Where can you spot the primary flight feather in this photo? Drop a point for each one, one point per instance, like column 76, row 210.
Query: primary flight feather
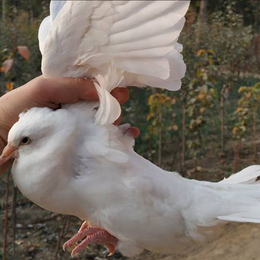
column 127, row 43
column 74, row 161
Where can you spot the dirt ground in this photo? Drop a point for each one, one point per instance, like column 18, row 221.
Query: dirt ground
column 237, row 242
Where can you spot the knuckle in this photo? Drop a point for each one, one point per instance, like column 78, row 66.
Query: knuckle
column 79, row 82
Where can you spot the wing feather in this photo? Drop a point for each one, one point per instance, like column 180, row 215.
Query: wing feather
column 136, row 38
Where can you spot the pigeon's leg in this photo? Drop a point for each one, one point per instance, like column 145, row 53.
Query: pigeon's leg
column 100, row 237
column 83, row 226
column 79, row 236
column 89, row 235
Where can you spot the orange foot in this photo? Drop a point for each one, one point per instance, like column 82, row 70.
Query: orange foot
column 89, row 235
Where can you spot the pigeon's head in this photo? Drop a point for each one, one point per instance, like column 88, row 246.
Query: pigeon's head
column 29, row 132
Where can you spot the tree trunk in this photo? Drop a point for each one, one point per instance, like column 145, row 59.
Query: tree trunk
column 160, row 139
column 222, row 119
column 14, row 216
column 202, row 19
column 61, row 235
column 3, row 10
column 149, row 150
column 254, row 133
column 183, row 136
column 238, row 147
column 6, row 216
column 203, row 11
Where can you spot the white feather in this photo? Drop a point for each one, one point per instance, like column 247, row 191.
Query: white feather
column 55, row 8
column 139, row 38
column 247, row 175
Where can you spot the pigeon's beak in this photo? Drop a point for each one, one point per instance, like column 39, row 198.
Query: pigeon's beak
column 8, row 153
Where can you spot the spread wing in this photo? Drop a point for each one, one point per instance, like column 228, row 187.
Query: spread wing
column 137, row 40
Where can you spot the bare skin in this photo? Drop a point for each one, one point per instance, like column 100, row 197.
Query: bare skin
column 41, row 92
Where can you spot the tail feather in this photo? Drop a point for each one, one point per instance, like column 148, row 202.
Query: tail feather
column 249, row 213
column 252, row 216
column 248, row 175
column 235, row 199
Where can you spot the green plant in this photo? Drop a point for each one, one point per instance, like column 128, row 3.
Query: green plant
column 248, row 105
column 160, row 104
column 200, row 97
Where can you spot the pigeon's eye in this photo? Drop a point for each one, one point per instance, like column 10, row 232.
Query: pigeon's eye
column 25, row 140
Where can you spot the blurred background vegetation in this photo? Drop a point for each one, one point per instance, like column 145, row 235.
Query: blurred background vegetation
column 206, row 130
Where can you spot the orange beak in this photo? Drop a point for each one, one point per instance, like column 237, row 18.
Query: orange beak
column 8, row 153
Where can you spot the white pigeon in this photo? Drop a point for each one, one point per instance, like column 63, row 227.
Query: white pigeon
column 74, row 161
column 67, row 163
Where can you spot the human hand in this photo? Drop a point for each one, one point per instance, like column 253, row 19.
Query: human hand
column 41, row 92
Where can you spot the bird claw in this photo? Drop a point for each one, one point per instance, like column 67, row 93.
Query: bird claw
column 88, row 235
column 83, row 226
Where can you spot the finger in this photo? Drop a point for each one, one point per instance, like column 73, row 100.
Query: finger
column 133, row 131
column 71, row 90
column 118, row 121
column 121, row 94
column 66, row 90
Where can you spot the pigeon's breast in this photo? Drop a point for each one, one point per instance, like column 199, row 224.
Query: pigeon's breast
column 32, row 179
column 41, row 181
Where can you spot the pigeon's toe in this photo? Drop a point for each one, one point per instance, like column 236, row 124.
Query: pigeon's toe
column 89, row 235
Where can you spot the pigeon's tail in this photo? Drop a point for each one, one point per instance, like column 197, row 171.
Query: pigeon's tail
column 248, row 175
column 245, row 188
column 235, row 199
